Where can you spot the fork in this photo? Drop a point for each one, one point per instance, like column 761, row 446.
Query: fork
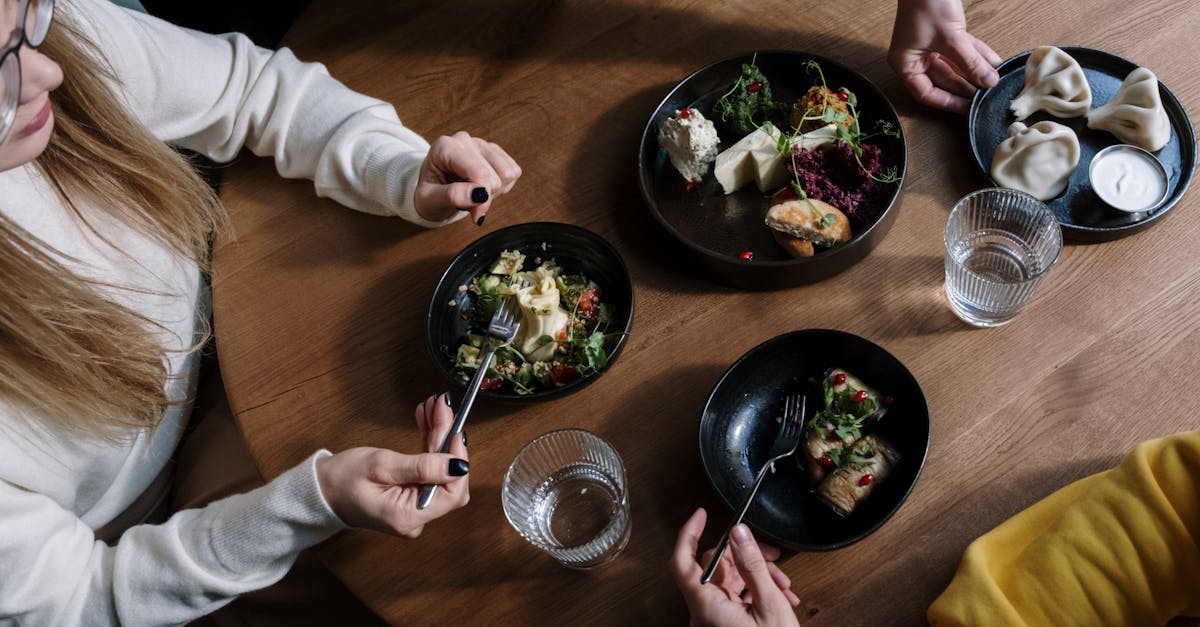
column 786, row 442
column 500, row 330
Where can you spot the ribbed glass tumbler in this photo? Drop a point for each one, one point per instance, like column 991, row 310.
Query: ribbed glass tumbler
column 566, row 493
column 999, row 245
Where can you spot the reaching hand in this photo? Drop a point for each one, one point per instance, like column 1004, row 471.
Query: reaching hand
column 463, row 173
column 747, row 587
column 941, row 63
column 377, row 489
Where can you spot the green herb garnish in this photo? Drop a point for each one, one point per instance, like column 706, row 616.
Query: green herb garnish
column 748, row 103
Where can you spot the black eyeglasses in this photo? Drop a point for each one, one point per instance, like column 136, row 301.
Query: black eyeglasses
column 32, row 22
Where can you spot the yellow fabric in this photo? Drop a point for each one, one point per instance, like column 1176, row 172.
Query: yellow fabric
column 1116, row 548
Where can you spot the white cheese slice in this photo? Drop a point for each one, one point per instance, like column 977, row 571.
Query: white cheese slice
column 770, row 165
column 735, row 167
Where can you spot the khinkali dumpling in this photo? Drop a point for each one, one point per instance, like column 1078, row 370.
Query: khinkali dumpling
column 1135, row 114
column 1037, row 159
column 1054, row 83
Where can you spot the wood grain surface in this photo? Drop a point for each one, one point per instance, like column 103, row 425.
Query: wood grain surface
column 320, row 311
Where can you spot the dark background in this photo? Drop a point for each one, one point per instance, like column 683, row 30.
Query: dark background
column 264, row 21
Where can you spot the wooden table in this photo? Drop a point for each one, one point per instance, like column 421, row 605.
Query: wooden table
column 320, row 311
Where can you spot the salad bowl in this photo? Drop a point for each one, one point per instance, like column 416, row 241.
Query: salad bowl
column 576, row 249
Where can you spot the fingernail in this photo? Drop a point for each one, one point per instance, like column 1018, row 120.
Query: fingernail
column 479, row 222
column 459, row 467
column 464, row 437
column 479, row 195
column 446, row 397
column 741, row 535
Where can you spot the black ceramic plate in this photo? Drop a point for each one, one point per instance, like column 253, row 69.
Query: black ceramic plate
column 714, row 229
column 575, row 249
column 739, row 424
column 1083, row 216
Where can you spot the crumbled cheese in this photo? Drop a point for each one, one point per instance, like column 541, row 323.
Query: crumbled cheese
column 453, row 303
column 690, row 142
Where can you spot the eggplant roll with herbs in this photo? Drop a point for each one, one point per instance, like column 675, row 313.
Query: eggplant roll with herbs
column 869, row 462
column 849, row 407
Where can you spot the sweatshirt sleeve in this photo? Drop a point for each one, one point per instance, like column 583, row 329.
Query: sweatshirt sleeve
column 215, row 94
column 1116, row 548
column 167, row 574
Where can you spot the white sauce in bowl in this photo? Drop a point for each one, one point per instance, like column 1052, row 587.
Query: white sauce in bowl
column 1128, row 178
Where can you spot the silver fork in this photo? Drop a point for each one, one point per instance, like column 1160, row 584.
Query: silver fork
column 500, row 330
column 786, row 442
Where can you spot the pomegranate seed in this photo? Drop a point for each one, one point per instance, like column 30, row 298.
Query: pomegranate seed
column 860, row 396
column 866, row 480
column 887, row 401
column 691, row 185
column 826, row 461
column 746, row 255
column 838, row 378
column 754, row 87
column 843, row 95
column 685, row 113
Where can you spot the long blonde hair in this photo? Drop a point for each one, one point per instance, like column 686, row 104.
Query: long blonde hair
column 74, row 357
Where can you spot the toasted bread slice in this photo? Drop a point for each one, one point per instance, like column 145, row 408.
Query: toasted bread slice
column 795, row 246
column 803, row 219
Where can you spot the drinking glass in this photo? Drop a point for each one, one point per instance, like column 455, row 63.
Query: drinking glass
column 999, row 244
column 566, row 494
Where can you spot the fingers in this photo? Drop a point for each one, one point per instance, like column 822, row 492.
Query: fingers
column 768, row 600
column 464, row 173
column 505, row 166
column 987, row 52
column 398, row 469
column 683, row 561
column 925, row 92
column 962, row 50
column 947, row 76
column 784, row 583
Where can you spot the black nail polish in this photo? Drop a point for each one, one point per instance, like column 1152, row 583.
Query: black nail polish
column 459, row 467
column 479, row 222
column 479, row 195
column 464, row 437
column 446, row 397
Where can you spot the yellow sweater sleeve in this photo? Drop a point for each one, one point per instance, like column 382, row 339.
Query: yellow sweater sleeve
column 1115, row 548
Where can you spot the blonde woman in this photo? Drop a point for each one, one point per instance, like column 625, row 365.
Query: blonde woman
column 104, row 235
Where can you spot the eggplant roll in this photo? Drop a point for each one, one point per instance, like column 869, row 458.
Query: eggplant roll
column 822, row 437
column 871, row 461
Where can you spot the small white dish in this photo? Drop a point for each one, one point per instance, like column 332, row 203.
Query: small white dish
column 1128, row 178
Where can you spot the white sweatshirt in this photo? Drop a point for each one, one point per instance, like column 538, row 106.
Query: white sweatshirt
column 213, row 95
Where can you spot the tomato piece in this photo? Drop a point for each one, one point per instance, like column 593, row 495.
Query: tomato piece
column 590, row 300
column 562, row 374
column 491, row 383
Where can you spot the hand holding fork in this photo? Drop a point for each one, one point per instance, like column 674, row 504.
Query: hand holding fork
column 501, row 330
column 786, row 443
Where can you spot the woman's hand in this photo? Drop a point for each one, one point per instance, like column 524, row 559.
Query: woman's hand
column 463, row 173
column 747, row 587
column 941, row 63
column 377, row 489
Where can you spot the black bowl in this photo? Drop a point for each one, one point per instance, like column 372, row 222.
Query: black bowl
column 712, row 228
column 740, row 422
column 577, row 250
